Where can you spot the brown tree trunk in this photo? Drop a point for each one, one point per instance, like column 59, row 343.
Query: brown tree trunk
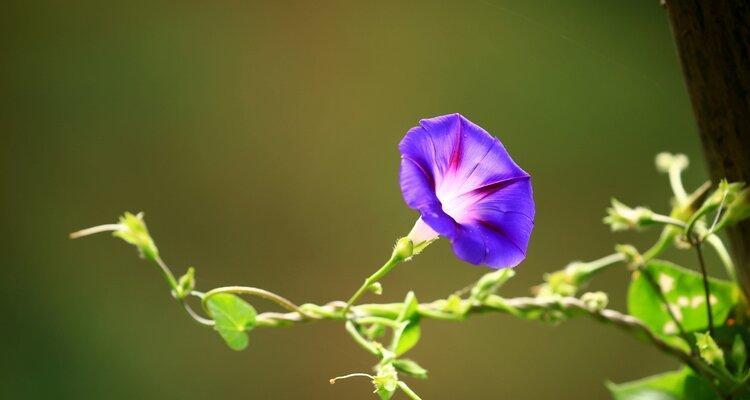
column 713, row 42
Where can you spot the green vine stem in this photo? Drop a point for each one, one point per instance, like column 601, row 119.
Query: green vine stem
column 518, row 306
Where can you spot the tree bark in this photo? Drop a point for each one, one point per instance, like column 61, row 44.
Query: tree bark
column 713, row 43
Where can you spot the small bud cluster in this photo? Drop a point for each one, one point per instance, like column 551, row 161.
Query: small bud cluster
column 621, row 217
column 133, row 230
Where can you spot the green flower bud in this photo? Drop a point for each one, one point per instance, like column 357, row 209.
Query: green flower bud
column 557, row 283
column 185, row 284
column 709, row 350
column 489, row 283
column 727, row 195
column 386, row 381
column 454, row 305
column 133, row 230
column 595, row 301
column 376, row 288
column 738, row 209
column 404, row 249
column 631, row 254
column 621, row 217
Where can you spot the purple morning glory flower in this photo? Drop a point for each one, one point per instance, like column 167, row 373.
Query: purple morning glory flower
column 468, row 189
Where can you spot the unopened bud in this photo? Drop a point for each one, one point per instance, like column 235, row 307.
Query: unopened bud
column 621, row 217
column 709, row 350
column 738, row 209
column 404, row 248
column 489, row 283
column 185, row 284
column 386, row 381
column 133, row 230
column 595, row 301
column 631, row 254
column 376, row 288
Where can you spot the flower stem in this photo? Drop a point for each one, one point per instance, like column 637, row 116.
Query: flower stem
column 668, row 234
column 387, row 267
column 723, row 254
column 407, row 391
column 360, row 340
column 675, row 180
column 167, row 273
column 668, row 220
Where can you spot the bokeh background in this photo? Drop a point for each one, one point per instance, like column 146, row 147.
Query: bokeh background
column 260, row 139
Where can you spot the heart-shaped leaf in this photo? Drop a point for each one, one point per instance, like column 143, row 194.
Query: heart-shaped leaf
column 233, row 317
column 683, row 290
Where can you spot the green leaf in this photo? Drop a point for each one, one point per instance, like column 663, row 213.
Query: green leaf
column 678, row 385
column 683, row 290
column 406, row 337
column 233, row 317
column 410, row 367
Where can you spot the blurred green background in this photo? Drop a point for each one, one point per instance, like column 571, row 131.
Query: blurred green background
column 260, row 139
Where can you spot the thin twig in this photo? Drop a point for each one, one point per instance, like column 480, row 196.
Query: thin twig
column 262, row 293
column 706, row 289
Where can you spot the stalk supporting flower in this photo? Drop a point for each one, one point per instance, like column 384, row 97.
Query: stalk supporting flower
column 403, row 250
column 467, row 188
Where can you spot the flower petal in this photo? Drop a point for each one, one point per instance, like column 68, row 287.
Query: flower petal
column 418, row 192
column 468, row 244
column 466, row 186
